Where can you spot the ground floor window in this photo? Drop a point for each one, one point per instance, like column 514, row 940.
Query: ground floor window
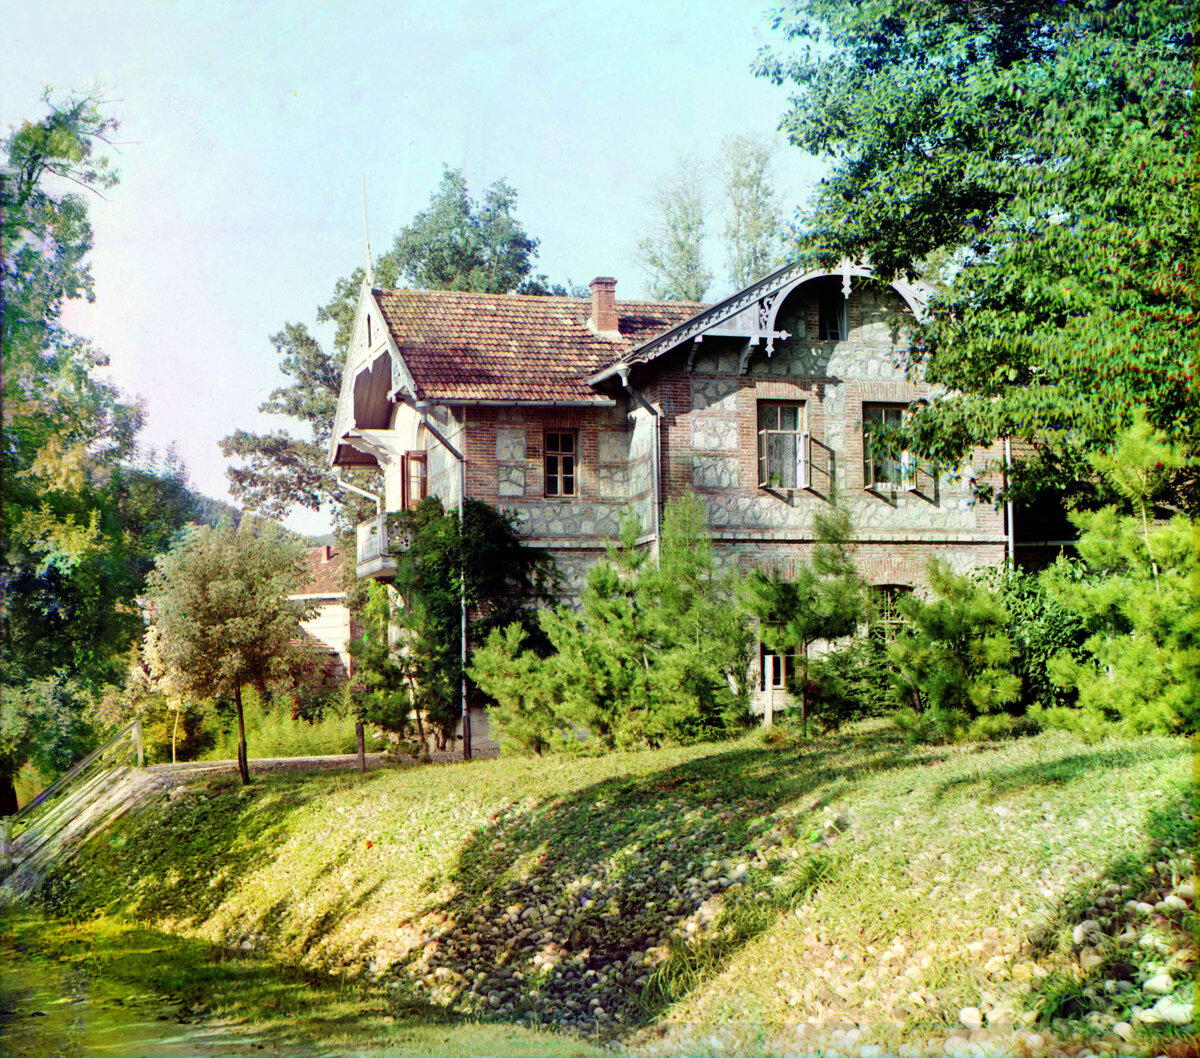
column 774, row 670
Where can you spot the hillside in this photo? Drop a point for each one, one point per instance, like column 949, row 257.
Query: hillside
column 855, row 893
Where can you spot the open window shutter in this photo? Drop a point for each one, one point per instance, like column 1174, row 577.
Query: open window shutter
column 804, row 461
column 404, row 482
column 908, row 471
column 416, row 477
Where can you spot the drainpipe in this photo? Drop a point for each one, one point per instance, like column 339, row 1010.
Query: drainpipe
column 1010, row 530
column 377, row 500
column 422, row 408
column 655, row 450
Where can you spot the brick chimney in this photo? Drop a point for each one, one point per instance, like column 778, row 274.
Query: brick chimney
column 604, row 318
column 328, row 555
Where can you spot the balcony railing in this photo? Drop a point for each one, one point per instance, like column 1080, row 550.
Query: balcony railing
column 375, row 559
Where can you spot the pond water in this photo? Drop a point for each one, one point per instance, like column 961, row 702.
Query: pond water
column 56, row 1008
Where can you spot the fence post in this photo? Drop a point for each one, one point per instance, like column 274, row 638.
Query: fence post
column 137, row 741
column 6, row 841
column 362, row 749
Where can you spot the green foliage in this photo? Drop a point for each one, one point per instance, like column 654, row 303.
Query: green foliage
column 751, row 231
column 851, row 682
column 272, row 730
column 672, row 254
column 453, row 244
column 220, row 598
column 954, row 658
column 657, row 652
column 81, row 521
column 1041, row 151
column 1142, row 666
column 826, row 599
column 410, row 657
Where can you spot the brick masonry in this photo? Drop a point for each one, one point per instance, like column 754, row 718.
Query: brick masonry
column 708, row 444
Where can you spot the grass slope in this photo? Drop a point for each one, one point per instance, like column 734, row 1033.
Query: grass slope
column 852, row 892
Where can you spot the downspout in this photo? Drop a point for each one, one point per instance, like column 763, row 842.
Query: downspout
column 422, row 409
column 655, row 450
column 377, row 500
column 1010, row 529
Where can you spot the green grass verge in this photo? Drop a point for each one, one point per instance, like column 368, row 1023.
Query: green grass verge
column 700, row 899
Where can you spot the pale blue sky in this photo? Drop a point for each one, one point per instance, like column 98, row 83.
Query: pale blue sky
column 247, row 128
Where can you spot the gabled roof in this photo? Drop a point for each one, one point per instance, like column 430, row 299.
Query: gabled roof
column 752, row 311
column 324, row 567
column 464, row 347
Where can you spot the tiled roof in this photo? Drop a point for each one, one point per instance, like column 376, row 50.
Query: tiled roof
column 467, row 347
column 324, row 565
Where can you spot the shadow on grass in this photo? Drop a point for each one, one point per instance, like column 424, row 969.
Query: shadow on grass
column 1107, row 940
column 1059, row 771
column 607, row 898
column 181, row 859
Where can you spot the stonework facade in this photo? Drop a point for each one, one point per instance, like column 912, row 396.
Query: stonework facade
column 690, row 410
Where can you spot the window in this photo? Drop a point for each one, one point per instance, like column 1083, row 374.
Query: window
column 561, row 450
column 831, row 317
column 890, row 618
column 416, row 478
column 883, row 467
column 774, row 670
column 784, row 448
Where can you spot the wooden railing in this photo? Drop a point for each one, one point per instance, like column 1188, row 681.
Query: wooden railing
column 122, row 748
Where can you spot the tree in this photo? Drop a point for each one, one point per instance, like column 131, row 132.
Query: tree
column 410, row 657
column 672, row 254
column 1135, row 586
column 954, row 658
column 455, row 243
column 826, row 599
column 1041, row 150
column 752, row 231
column 221, row 606
column 656, row 651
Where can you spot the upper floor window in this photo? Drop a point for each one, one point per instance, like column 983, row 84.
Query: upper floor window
column 562, row 448
column 831, row 317
column 883, row 466
column 784, row 450
column 415, row 468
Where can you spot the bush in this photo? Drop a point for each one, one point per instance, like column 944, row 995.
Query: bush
column 271, row 731
column 655, row 653
column 954, row 660
column 851, row 683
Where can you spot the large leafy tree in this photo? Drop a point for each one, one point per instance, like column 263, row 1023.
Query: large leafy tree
column 1037, row 151
column 455, row 243
column 221, row 608
column 81, row 520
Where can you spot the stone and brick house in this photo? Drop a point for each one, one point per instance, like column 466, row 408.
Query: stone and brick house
column 576, row 412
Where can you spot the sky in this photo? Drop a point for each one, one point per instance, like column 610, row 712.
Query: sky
column 248, row 128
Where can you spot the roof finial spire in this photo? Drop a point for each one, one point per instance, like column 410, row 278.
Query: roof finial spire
column 367, row 234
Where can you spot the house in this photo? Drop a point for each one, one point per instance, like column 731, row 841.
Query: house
column 574, row 413
column 331, row 628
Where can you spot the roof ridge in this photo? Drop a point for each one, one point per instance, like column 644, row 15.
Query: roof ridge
column 585, row 300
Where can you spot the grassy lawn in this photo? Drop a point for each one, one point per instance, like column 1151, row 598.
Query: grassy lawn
column 853, row 892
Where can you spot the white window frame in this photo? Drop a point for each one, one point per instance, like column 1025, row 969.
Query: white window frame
column 906, row 463
column 803, row 446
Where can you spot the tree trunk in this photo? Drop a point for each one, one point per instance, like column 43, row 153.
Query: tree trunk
column 243, row 762
column 175, row 729
column 804, row 691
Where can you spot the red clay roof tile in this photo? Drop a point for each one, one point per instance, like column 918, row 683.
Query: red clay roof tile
column 467, row 347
